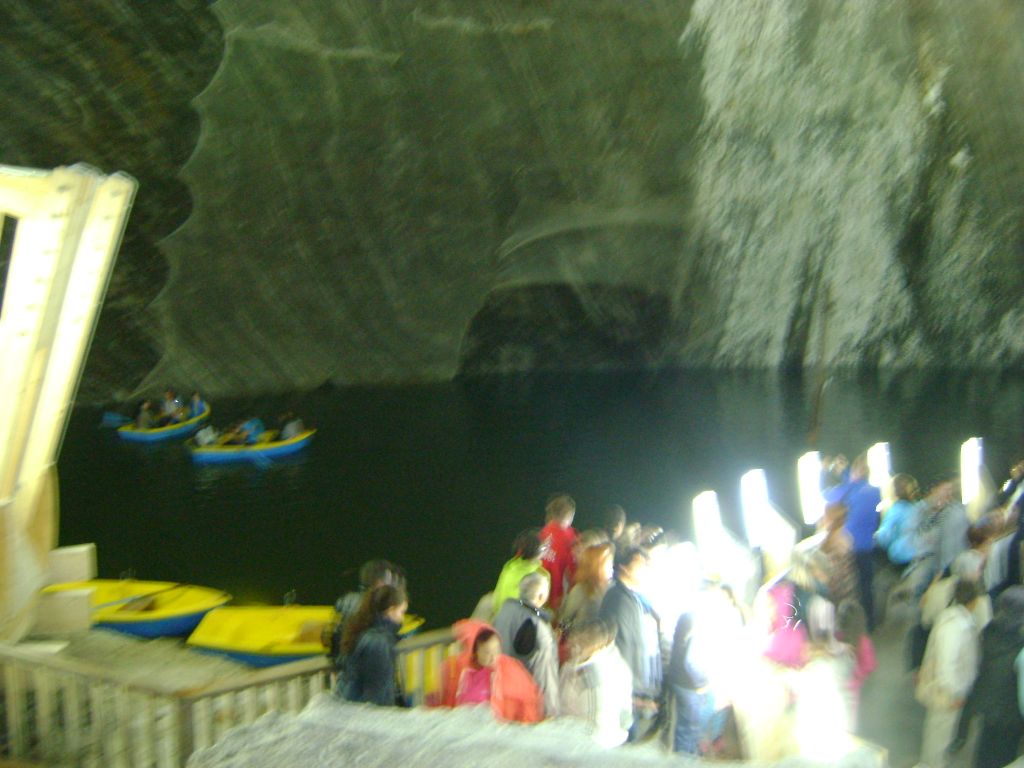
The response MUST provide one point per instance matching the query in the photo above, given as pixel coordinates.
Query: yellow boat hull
(147, 608)
(265, 635)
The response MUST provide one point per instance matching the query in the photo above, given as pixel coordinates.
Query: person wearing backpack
(526, 634)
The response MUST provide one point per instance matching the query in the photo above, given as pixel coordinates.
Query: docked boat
(147, 608)
(268, 448)
(262, 636)
(180, 429)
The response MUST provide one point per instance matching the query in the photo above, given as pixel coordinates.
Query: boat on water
(147, 608)
(268, 447)
(262, 636)
(179, 429)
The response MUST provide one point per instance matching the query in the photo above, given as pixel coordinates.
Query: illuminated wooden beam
(69, 223)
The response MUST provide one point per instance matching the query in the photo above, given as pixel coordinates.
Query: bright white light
(673, 583)
(971, 457)
(821, 718)
(879, 466)
(756, 507)
(721, 555)
(707, 524)
(808, 471)
(766, 528)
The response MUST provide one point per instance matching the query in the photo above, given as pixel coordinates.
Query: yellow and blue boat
(268, 448)
(147, 608)
(135, 435)
(262, 636)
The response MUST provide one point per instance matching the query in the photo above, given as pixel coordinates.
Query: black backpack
(525, 641)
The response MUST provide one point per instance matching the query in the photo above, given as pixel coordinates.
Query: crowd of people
(620, 628)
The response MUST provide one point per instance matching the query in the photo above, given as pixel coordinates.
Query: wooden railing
(67, 712)
(419, 664)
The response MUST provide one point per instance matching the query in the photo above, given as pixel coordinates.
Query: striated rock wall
(358, 191)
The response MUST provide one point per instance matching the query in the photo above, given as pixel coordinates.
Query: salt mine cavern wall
(357, 191)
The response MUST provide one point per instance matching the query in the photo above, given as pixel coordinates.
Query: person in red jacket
(560, 560)
(482, 674)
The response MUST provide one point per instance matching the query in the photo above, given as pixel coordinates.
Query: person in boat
(290, 426)
(196, 405)
(367, 673)
(144, 417)
(247, 432)
(171, 408)
(526, 634)
(208, 435)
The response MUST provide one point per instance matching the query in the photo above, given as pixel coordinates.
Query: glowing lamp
(707, 524)
(812, 503)
(756, 506)
(879, 465)
(971, 457)
(720, 554)
(766, 528)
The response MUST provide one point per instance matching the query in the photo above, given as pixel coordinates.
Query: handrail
(259, 677)
(78, 713)
(71, 710)
(423, 640)
(131, 682)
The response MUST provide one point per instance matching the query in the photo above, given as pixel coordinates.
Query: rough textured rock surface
(357, 191)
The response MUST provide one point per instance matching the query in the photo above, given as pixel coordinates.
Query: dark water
(440, 478)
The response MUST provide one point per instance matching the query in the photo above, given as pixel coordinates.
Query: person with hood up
(994, 697)
(526, 634)
(481, 674)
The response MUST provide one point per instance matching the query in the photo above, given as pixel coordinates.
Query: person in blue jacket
(897, 534)
(367, 672)
(862, 500)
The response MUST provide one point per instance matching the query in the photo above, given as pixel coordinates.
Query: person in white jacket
(596, 684)
(947, 673)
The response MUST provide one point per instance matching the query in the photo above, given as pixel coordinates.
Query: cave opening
(563, 327)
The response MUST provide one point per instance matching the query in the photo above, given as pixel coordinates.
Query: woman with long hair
(367, 672)
(593, 575)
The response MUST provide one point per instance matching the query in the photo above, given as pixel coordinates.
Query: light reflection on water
(440, 478)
